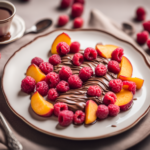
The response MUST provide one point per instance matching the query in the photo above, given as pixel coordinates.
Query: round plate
(17, 29)
(19, 102)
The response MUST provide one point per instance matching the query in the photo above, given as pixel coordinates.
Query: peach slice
(105, 50)
(34, 72)
(90, 112)
(124, 99)
(139, 82)
(63, 37)
(126, 67)
(40, 106)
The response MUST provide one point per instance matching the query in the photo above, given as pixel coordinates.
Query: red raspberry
(55, 59)
(100, 70)
(74, 82)
(42, 88)
(140, 14)
(85, 73)
(46, 67)
(79, 117)
(146, 25)
(74, 47)
(113, 110)
(62, 48)
(94, 91)
(65, 73)
(129, 85)
(113, 66)
(62, 20)
(77, 10)
(28, 84)
(52, 94)
(141, 18)
(79, 1)
(58, 107)
(116, 85)
(142, 37)
(90, 53)
(77, 59)
(37, 61)
(109, 98)
(117, 54)
(102, 112)
(65, 3)
(78, 22)
(65, 118)
(52, 79)
(62, 86)
(148, 43)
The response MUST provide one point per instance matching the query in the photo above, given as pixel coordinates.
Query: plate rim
(62, 136)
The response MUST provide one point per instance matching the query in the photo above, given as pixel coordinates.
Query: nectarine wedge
(126, 67)
(63, 37)
(40, 106)
(34, 72)
(90, 111)
(105, 50)
(124, 99)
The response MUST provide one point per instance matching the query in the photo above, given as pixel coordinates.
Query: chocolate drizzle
(76, 98)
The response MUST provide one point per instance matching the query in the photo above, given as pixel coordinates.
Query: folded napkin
(34, 140)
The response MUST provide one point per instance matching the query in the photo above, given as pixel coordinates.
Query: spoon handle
(30, 30)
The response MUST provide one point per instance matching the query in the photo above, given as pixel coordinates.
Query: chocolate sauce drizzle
(76, 98)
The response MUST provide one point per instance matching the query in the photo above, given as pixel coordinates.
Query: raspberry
(63, 48)
(102, 112)
(79, 117)
(37, 61)
(62, 20)
(42, 88)
(55, 59)
(74, 82)
(141, 18)
(74, 47)
(77, 59)
(62, 86)
(85, 73)
(113, 66)
(109, 98)
(28, 84)
(52, 94)
(46, 67)
(142, 37)
(117, 54)
(65, 118)
(116, 85)
(129, 85)
(113, 110)
(100, 70)
(94, 91)
(77, 10)
(78, 22)
(52, 79)
(65, 3)
(79, 1)
(148, 43)
(146, 25)
(65, 73)
(90, 53)
(58, 107)
(140, 14)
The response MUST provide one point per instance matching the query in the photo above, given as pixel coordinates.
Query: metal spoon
(39, 26)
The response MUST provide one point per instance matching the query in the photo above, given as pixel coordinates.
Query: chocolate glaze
(76, 98)
(5, 37)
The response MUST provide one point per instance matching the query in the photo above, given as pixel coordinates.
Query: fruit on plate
(34, 72)
(126, 67)
(63, 37)
(139, 82)
(90, 112)
(124, 99)
(105, 50)
(40, 106)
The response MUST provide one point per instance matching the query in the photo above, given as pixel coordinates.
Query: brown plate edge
(66, 137)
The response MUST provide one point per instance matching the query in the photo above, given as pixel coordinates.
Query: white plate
(19, 102)
(17, 29)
